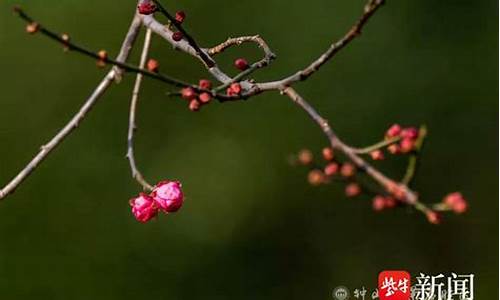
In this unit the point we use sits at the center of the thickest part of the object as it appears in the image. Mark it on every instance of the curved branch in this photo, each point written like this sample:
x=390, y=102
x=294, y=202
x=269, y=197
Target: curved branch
x=136, y=174
x=269, y=56
x=370, y=8
x=46, y=149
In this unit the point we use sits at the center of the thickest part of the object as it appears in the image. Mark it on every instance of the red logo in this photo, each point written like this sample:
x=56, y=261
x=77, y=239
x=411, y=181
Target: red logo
x=394, y=285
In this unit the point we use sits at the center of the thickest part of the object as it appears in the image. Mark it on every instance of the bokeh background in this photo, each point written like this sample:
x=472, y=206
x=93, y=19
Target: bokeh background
x=251, y=227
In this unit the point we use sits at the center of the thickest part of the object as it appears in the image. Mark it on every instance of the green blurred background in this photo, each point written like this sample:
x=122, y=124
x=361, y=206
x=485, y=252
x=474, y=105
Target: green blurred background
x=251, y=227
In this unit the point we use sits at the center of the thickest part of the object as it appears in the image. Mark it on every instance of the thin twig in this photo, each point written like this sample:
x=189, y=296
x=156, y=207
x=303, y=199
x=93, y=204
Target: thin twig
x=376, y=146
x=164, y=32
x=412, y=167
x=269, y=56
x=46, y=149
x=204, y=57
x=120, y=64
x=136, y=174
x=370, y=8
x=441, y=207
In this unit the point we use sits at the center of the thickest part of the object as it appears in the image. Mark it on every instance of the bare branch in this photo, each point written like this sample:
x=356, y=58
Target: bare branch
x=46, y=149
x=370, y=8
x=163, y=31
x=269, y=56
x=376, y=146
x=160, y=29
x=118, y=63
x=136, y=174
x=199, y=52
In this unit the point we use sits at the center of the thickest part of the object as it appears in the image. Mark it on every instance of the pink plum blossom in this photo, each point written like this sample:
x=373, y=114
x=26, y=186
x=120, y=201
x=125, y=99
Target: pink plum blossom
x=168, y=196
x=144, y=208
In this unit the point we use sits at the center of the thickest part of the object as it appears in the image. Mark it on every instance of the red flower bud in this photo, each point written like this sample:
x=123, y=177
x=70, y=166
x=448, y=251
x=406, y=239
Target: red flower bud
x=305, y=157
x=188, y=93
x=103, y=56
x=144, y=208
x=390, y=202
x=234, y=89
x=241, y=64
x=194, y=105
x=32, y=28
x=394, y=149
x=456, y=202
x=377, y=155
x=146, y=7
x=315, y=177
x=352, y=190
x=409, y=133
x=393, y=131
x=348, y=170
x=328, y=154
x=407, y=145
x=168, y=196
x=331, y=169
x=180, y=16
x=177, y=36
x=433, y=217
x=205, y=84
x=378, y=203
x=397, y=191
x=153, y=65
x=205, y=98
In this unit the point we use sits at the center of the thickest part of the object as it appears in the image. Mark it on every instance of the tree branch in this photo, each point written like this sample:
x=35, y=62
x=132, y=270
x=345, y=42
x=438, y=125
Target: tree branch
x=199, y=52
x=46, y=149
x=370, y=8
x=377, y=146
x=269, y=56
x=136, y=174
x=404, y=194
x=115, y=62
